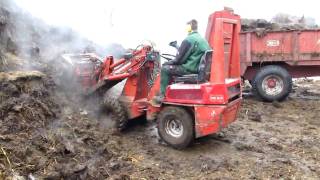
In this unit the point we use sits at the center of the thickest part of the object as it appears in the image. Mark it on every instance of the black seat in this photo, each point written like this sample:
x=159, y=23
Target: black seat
x=203, y=72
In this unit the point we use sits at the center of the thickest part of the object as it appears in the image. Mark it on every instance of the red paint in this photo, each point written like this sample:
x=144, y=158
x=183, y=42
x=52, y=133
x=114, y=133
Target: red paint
x=272, y=83
x=210, y=119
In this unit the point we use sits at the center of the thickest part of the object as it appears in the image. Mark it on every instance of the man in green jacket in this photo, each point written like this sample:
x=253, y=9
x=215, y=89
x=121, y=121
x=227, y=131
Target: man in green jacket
x=187, y=60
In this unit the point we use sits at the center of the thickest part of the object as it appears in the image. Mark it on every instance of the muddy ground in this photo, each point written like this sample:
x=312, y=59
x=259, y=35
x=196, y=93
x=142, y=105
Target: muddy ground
x=268, y=141
x=45, y=134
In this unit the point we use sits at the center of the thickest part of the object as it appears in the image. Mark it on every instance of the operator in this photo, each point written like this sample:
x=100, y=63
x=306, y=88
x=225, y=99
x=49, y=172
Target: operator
x=187, y=59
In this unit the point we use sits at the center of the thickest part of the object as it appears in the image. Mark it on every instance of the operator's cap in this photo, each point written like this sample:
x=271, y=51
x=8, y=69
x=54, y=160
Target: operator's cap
x=229, y=9
x=194, y=24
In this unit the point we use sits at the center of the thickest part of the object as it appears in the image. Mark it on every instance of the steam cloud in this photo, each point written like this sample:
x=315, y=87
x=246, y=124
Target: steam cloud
x=24, y=36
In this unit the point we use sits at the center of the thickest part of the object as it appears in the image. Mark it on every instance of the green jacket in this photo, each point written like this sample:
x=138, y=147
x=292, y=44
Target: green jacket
x=191, y=51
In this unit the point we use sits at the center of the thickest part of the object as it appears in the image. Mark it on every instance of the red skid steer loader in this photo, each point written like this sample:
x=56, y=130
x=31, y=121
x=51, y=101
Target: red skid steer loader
x=195, y=105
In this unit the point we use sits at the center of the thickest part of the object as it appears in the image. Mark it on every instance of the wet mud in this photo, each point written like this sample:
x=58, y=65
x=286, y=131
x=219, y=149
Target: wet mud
x=45, y=135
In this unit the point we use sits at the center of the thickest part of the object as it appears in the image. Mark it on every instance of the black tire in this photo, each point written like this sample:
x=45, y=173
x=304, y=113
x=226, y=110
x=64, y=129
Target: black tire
x=113, y=114
x=281, y=80
x=179, y=115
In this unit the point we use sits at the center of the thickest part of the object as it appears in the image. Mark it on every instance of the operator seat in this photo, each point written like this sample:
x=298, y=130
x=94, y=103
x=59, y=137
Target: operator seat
x=203, y=71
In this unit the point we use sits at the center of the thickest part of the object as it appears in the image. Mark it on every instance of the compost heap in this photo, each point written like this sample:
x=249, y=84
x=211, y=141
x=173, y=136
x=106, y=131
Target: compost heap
x=39, y=140
x=43, y=133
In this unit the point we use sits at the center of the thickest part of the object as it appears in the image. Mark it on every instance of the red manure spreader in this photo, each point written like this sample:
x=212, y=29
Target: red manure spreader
x=271, y=59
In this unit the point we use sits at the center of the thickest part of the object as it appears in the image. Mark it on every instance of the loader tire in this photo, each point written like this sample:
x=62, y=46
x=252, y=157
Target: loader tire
x=113, y=114
x=176, y=127
x=272, y=83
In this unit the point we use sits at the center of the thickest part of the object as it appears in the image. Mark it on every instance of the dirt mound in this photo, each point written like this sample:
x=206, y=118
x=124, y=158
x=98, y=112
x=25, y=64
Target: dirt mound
x=38, y=140
x=24, y=98
x=25, y=106
x=43, y=133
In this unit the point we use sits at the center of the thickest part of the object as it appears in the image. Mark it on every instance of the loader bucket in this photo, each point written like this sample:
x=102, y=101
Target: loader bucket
x=102, y=87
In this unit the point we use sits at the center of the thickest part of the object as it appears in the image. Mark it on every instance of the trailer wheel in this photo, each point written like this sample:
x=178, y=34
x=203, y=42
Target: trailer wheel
x=113, y=114
x=176, y=127
x=272, y=83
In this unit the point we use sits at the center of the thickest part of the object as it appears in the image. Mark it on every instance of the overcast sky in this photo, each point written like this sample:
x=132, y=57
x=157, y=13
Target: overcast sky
x=131, y=22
